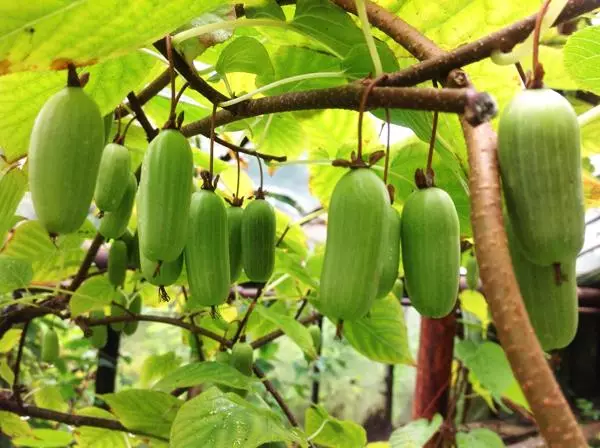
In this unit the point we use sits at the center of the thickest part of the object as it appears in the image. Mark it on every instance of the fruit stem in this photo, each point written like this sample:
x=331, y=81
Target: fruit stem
x=72, y=77
x=212, y=139
x=339, y=328
x=537, y=78
x=429, y=174
x=260, y=192
x=387, y=147
x=237, y=182
x=370, y=84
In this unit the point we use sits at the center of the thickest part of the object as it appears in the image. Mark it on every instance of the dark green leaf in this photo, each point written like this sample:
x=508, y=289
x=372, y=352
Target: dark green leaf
x=244, y=54
x=328, y=431
x=204, y=372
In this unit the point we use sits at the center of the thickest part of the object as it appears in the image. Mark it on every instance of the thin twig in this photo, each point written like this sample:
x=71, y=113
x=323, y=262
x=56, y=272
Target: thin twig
x=239, y=150
x=386, y=167
x=87, y=262
x=278, y=398
x=141, y=117
x=521, y=73
x=277, y=333
x=429, y=170
x=146, y=94
x=303, y=303
x=68, y=419
x=242, y=325
x=17, y=369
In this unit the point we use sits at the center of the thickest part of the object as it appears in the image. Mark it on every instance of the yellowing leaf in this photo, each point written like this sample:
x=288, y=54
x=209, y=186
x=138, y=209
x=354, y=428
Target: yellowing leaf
x=591, y=190
x=475, y=303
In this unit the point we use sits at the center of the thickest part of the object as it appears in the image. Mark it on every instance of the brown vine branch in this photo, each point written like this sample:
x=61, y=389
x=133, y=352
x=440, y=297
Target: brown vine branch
x=552, y=413
x=87, y=262
x=189, y=74
x=348, y=97
x=278, y=398
x=17, y=369
x=239, y=150
x=141, y=117
x=242, y=325
x=68, y=419
x=505, y=39
x=146, y=94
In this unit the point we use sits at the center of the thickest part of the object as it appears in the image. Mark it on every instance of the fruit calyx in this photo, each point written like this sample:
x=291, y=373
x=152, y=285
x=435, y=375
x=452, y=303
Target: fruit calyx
x=357, y=162
x=424, y=180
x=208, y=183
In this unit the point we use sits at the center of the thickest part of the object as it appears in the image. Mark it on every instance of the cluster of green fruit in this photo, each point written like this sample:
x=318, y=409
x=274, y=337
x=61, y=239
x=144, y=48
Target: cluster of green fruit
x=70, y=164
x=362, y=252
x=540, y=165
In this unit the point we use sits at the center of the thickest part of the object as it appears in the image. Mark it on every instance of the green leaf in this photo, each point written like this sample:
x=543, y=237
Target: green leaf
x=295, y=238
x=381, y=334
x=479, y=438
x=292, y=328
x=30, y=241
x=157, y=366
x=12, y=189
x=278, y=134
x=15, y=273
x=416, y=433
x=265, y=9
x=205, y=372
x=48, y=35
x=6, y=372
x=328, y=24
x=45, y=438
x=93, y=294
x=10, y=339
x=244, y=54
x=487, y=363
x=581, y=58
x=327, y=431
x=358, y=62
x=148, y=411
x=292, y=265
x=91, y=437
x=291, y=61
x=22, y=95
x=12, y=425
x=50, y=397
x=217, y=419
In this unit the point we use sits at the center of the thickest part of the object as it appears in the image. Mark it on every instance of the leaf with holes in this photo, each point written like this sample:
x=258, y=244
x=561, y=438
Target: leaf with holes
x=381, y=334
x=217, y=419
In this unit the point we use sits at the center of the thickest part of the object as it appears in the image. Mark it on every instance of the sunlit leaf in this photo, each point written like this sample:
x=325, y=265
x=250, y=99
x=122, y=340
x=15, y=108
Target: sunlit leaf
x=416, y=433
x=327, y=431
x=581, y=58
x=204, y=372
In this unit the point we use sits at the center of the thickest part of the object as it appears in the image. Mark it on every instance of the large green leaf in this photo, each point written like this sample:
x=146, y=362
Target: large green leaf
x=15, y=273
x=204, y=372
x=22, y=95
x=581, y=58
x=12, y=425
x=30, y=241
x=292, y=328
x=44, y=438
x=90, y=437
x=328, y=431
x=479, y=438
x=381, y=334
x=148, y=411
x=226, y=420
x=50, y=397
x=157, y=366
x=12, y=189
x=416, y=433
x=244, y=54
x=93, y=294
x=48, y=35
x=278, y=134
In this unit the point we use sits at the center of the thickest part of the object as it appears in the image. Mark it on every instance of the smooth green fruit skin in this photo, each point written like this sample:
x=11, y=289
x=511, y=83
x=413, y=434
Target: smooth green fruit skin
x=164, y=196
x=391, y=255
x=117, y=263
x=234, y=221
x=118, y=311
x=64, y=157
x=114, y=224
x=135, y=307
x=50, y=346
x=472, y=273
x=113, y=177
x=552, y=309
x=356, y=232
x=242, y=357
x=540, y=165
x=99, y=332
x=207, y=250
x=223, y=358
x=168, y=274
x=258, y=240
x=431, y=251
